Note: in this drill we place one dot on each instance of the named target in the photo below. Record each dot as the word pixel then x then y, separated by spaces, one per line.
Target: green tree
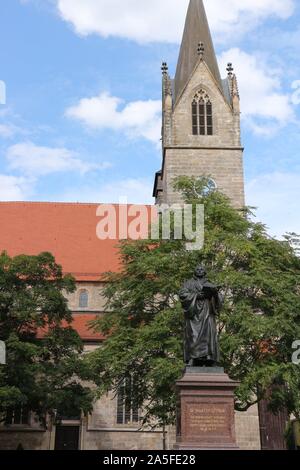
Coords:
pixel 44 364
pixel 260 279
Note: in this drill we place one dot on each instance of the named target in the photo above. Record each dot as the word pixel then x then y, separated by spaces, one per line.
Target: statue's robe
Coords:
pixel 201 303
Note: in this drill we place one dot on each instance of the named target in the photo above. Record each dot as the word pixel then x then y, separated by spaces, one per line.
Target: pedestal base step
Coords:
pixel 205 447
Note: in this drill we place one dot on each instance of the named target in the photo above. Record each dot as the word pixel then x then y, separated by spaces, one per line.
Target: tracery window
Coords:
pixel 127 408
pixel 202 114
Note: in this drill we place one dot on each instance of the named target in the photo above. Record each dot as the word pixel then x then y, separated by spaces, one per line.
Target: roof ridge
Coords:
pixel 57 203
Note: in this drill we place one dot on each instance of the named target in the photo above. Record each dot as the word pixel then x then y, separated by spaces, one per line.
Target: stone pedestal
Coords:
pixel 206 421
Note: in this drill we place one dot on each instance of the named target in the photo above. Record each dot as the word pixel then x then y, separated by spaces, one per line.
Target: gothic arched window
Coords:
pixel 127 407
pixel 202 117
pixel 83 299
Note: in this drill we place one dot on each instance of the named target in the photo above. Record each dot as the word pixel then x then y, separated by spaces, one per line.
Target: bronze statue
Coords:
pixel 201 302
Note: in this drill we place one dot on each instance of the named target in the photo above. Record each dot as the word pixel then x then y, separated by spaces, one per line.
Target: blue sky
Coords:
pixel 83 83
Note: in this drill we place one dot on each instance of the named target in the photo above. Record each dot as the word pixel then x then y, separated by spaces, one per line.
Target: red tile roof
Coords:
pixel 66 230
pixel 81 323
pixel 83 328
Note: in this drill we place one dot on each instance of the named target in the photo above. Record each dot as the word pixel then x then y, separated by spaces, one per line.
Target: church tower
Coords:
pixel 201 117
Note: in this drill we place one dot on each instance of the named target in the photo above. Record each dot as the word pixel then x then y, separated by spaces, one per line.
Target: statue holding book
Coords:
pixel 201 303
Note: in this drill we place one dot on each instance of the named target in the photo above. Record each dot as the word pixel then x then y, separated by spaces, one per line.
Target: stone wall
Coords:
pixel 96 300
pixel 224 166
pixel 122 440
pixel 247 429
pixel 30 440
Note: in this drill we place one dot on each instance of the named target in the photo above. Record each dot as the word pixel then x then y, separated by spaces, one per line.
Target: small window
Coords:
pixel 83 299
pixel 202 114
pixel 195 118
pixel 209 119
pixel 18 416
pixel 127 409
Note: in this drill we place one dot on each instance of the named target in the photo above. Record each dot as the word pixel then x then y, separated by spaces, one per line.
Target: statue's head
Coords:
pixel 200 272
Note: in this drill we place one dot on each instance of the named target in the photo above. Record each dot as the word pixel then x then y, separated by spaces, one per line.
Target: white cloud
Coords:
pixel 226 16
pixel 6 131
pixel 162 21
pixel 36 161
pixel 261 93
pixel 11 124
pixel 136 119
pixel 13 188
pixel 277 197
pixel 9 130
pixel 136 191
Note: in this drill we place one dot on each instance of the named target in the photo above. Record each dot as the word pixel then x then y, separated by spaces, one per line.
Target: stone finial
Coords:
pixel 201 50
pixel 164 68
pixel 234 89
pixel 230 70
pixel 167 84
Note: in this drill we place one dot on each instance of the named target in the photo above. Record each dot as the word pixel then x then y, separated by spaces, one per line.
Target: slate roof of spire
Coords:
pixel 196 30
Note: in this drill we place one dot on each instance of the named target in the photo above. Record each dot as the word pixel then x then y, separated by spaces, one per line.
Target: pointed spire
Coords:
pixel 196 32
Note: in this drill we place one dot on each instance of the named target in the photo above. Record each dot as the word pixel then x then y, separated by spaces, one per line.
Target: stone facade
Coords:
pixel 96 302
pixel 247 429
pixel 29 439
pixel 219 156
pixel 101 431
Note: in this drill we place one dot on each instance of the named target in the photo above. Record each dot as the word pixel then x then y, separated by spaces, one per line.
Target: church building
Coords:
pixel 201 136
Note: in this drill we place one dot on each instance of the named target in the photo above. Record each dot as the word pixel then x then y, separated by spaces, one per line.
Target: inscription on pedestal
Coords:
pixel 207 419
